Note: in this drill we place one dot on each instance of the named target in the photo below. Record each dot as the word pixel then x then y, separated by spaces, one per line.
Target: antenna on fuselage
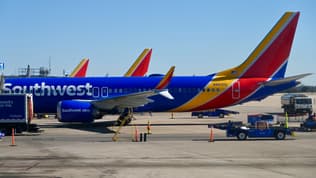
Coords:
pixel 1 77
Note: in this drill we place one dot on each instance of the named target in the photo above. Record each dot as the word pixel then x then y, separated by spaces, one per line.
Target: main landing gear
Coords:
pixel 125 118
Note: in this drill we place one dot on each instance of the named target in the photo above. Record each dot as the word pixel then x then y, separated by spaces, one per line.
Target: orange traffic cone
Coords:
pixel 211 135
pixel 148 128
pixel 13 138
pixel 136 134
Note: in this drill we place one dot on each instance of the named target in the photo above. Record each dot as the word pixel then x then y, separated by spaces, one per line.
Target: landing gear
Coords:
pixel 125 118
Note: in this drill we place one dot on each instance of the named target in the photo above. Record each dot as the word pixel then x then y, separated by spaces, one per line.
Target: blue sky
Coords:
pixel 198 37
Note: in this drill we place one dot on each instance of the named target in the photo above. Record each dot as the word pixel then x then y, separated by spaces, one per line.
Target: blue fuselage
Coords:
pixel 47 92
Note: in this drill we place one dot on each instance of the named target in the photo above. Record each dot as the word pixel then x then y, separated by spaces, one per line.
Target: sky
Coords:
pixel 199 37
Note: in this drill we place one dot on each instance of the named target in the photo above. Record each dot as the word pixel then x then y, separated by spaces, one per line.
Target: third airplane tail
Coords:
pixel 269 58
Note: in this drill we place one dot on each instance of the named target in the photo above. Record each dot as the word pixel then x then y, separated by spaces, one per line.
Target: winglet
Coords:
pixel 140 66
pixel 166 80
pixel 166 94
pixel 81 69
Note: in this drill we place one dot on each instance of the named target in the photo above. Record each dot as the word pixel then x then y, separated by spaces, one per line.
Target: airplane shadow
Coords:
pixel 98 127
pixel 176 124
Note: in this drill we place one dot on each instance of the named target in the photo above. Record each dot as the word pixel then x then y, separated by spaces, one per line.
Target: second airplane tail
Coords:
pixel 140 66
pixel 269 58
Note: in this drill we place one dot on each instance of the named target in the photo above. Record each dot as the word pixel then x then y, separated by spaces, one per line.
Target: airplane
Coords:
pixel 86 99
pixel 138 68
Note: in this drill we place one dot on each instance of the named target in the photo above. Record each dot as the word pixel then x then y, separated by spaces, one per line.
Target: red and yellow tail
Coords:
pixel 81 69
pixel 268 60
pixel 166 79
pixel 140 66
pixel 272 53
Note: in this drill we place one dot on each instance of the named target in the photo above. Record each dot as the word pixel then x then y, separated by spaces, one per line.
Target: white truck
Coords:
pixel 293 103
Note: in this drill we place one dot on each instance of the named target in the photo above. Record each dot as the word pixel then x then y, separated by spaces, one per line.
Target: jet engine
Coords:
pixel 76 111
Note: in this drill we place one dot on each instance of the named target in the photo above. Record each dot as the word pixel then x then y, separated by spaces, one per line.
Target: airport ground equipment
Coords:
pixel 262 129
pixel 293 103
pixel 310 123
pixel 16 111
pixel 281 117
pixel 221 113
pixel 253 118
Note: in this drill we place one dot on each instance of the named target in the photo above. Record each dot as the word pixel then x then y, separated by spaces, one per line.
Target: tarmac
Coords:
pixel 177 147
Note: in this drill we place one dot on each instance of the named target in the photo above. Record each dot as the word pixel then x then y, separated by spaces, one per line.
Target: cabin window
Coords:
pixel 95 92
pixel 104 91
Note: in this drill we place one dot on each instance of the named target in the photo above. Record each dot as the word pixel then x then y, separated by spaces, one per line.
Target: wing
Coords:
pixel 128 101
pixel 136 99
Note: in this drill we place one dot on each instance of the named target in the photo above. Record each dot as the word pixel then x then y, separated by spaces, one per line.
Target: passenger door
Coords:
pixel 236 90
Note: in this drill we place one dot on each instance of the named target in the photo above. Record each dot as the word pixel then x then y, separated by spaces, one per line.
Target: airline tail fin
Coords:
pixel 81 69
pixel 140 66
pixel 269 58
pixel 166 79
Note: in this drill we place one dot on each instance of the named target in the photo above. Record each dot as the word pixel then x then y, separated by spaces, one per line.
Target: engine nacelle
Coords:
pixel 75 111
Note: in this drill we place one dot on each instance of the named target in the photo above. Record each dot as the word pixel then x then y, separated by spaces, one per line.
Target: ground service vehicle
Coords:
pixel 254 118
pixel 296 103
pixel 16 111
pixel 221 113
pixel 310 123
pixel 262 129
